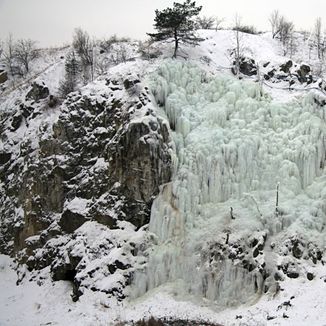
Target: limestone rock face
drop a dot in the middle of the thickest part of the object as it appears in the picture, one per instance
(94, 163)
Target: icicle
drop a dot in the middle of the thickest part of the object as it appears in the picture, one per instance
(230, 143)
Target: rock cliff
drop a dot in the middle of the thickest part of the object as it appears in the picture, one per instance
(77, 180)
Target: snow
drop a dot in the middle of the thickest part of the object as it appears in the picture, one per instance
(78, 205)
(50, 304)
(48, 67)
(234, 142)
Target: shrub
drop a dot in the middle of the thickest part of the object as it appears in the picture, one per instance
(106, 44)
(150, 322)
(148, 51)
(246, 29)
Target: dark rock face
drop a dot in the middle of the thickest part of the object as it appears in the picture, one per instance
(290, 72)
(4, 157)
(247, 66)
(3, 76)
(300, 247)
(304, 74)
(295, 250)
(16, 122)
(38, 92)
(98, 166)
(71, 221)
(286, 66)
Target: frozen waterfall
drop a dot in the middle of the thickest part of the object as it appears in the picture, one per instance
(233, 145)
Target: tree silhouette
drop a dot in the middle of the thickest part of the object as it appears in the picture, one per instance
(177, 23)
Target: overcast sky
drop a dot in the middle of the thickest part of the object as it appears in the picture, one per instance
(51, 22)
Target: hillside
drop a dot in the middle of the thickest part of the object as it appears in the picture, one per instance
(166, 188)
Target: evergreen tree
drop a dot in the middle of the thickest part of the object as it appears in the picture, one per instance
(177, 23)
(69, 84)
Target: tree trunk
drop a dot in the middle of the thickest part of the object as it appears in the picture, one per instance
(176, 43)
(237, 54)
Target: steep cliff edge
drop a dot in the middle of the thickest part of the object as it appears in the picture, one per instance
(78, 180)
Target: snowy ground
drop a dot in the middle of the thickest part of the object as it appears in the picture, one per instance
(51, 304)
(302, 302)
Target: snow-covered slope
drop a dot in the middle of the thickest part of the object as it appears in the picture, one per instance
(87, 171)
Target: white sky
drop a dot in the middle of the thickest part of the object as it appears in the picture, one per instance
(51, 22)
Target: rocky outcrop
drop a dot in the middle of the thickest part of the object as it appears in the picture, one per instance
(253, 255)
(304, 74)
(38, 91)
(237, 256)
(96, 163)
(247, 66)
(290, 72)
(285, 67)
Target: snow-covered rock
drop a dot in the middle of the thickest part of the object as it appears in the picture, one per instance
(100, 156)
(78, 180)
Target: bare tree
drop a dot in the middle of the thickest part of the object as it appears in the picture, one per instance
(218, 23)
(205, 22)
(305, 35)
(102, 66)
(83, 46)
(292, 45)
(25, 51)
(277, 210)
(274, 20)
(9, 54)
(286, 29)
(323, 45)
(105, 45)
(120, 54)
(237, 51)
(148, 50)
(318, 36)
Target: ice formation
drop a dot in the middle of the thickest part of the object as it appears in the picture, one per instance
(233, 146)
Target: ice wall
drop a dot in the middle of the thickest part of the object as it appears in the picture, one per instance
(233, 146)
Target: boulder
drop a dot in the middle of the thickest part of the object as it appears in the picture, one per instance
(310, 276)
(130, 82)
(52, 101)
(38, 91)
(286, 66)
(71, 221)
(247, 66)
(16, 122)
(304, 73)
